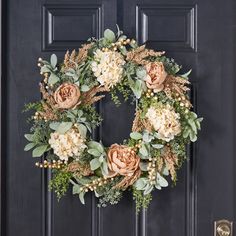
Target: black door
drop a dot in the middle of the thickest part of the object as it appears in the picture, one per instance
(199, 34)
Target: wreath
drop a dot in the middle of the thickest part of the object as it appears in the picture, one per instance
(65, 117)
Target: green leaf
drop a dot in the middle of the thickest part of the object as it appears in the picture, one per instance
(53, 60)
(109, 35)
(186, 132)
(82, 130)
(141, 183)
(148, 189)
(94, 152)
(136, 135)
(137, 88)
(101, 158)
(95, 164)
(81, 197)
(161, 181)
(193, 126)
(185, 76)
(63, 127)
(104, 168)
(29, 137)
(141, 73)
(143, 150)
(29, 146)
(157, 146)
(96, 145)
(45, 69)
(84, 88)
(53, 79)
(54, 125)
(123, 50)
(39, 151)
(143, 166)
(193, 137)
(76, 189)
(147, 137)
(165, 171)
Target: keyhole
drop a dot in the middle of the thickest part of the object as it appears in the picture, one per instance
(223, 230)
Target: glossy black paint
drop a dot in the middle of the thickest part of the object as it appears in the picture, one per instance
(199, 34)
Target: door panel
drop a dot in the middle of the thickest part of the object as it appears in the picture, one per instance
(199, 35)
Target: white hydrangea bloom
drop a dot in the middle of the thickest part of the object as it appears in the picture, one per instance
(165, 121)
(70, 144)
(108, 67)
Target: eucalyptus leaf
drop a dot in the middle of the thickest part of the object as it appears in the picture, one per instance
(143, 166)
(193, 137)
(81, 197)
(185, 76)
(143, 150)
(157, 146)
(83, 181)
(96, 145)
(39, 151)
(193, 126)
(94, 152)
(137, 88)
(54, 125)
(141, 73)
(161, 181)
(135, 135)
(84, 88)
(45, 69)
(29, 146)
(123, 50)
(76, 189)
(63, 127)
(95, 164)
(82, 130)
(148, 189)
(147, 137)
(29, 137)
(53, 60)
(109, 35)
(165, 171)
(186, 132)
(53, 79)
(97, 194)
(104, 168)
(141, 183)
(101, 158)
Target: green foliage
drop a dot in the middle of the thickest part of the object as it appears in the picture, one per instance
(35, 106)
(141, 200)
(110, 196)
(99, 157)
(38, 139)
(60, 183)
(171, 66)
(191, 126)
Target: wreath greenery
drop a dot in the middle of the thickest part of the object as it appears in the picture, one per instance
(64, 118)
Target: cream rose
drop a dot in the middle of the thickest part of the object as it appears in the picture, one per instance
(67, 95)
(122, 160)
(156, 76)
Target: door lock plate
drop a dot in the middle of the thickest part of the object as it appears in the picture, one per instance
(223, 228)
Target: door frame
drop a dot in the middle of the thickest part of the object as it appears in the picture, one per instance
(3, 20)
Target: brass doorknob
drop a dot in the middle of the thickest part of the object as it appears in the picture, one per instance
(223, 230)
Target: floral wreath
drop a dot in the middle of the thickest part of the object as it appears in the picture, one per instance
(65, 117)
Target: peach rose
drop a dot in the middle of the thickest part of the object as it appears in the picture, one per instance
(67, 95)
(156, 76)
(122, 160)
